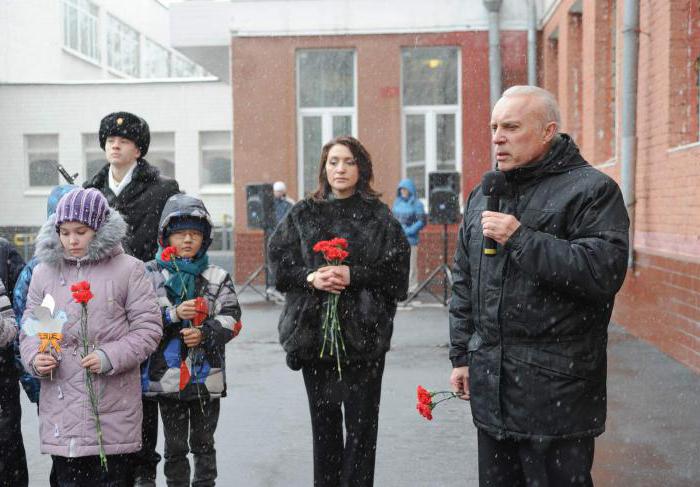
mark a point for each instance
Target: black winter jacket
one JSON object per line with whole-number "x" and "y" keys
{"x": 531, "y": 322}
{"x": 379, "y": 264}
{"x": 141, "y": 204}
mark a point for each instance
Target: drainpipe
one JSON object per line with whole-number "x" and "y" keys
{"x": 532, "y": 44}
{"x": 628, "y": 117}
{"x": 493, "y": 7}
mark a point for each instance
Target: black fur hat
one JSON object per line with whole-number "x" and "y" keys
{"x": 127, "y": 125}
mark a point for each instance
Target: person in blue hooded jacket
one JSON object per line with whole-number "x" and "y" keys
{"x": 409, "y": 211}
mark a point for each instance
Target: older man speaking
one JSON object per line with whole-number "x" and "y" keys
{"x": 528, "y": 321}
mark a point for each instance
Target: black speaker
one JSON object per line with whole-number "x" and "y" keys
{"x": 443, "y": 197}
{"x": 260, "y": 206}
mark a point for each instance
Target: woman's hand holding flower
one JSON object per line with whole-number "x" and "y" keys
{"x": 332, "y": 278}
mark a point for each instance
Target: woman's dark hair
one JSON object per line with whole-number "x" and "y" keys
{"x": 364, "y": 164}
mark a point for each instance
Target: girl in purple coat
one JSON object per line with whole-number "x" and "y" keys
{"x": 81, "y": 242}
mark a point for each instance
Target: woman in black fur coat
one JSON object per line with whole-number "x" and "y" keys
{"x": 370, "y": 282}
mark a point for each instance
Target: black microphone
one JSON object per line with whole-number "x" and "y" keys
{"x": 493, "y": 185}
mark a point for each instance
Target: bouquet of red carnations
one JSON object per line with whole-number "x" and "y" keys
{"x": 426, "y": 404}
{"x": 335, "y": 252}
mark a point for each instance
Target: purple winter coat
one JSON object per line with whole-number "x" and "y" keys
{"x": 124, "y": 322}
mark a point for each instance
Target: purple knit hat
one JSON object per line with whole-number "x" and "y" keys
{"x": 87, "y": 206}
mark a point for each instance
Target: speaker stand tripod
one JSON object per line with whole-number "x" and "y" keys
{"x": 443, "y": 269}
{"x": 262, "y": 268}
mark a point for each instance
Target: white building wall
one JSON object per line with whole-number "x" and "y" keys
{"x": 31, "y": 38}
{"x": 314, "y": 17}
{"x": 71, "y": 110}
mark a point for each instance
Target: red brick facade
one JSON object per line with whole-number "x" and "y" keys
{"x": 265, "y": 118}
{"x": 660, "y": 300}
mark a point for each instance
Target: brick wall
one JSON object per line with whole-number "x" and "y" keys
{"x": 660, "y": 298}
{"x": 265, "y": 124}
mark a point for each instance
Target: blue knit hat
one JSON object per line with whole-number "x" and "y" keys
{"x": 86, "y": 206}
{"x": 185, "y": 222}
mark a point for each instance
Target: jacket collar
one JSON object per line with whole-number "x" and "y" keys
{"x": 144, "y": 173}
{"x": 562, "y": 157}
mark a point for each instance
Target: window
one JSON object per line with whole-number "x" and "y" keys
{"x": 184, "y": 68}
{"x": 122, "y": 47}
{"x": 156, "y": 60}
{"x": 161, "y": 152}
{"x": 42, "y": 157}
{"x": 94, "y": 156}
{"x": 431, "y": 121}
{"x": 215, "y": 157}
{"x": 80, "y": 27}
{"x": 326, "y": 106}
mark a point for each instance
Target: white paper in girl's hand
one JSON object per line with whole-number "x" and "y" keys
{"x": 42, "y": 320}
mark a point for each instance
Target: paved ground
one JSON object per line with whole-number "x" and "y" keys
{"x": 264, "y": 435}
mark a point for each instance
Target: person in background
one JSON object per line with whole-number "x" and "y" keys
{"x": 189, "y": 397}
{"x": 13, "y": 460}
{"x": 282, "y": 202}
{"x": 410, "y": 213}
{"x": 82, "y": 242}
{"x": 138, "y": 192}
{"x": 282, "y": 205}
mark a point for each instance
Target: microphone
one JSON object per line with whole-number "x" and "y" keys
{"x": 493, "y": 185}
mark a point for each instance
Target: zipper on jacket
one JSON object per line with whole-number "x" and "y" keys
{"x": 504, "y": 274}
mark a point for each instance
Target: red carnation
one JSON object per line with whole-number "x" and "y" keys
{"x": 424, "y": 396}
{"x": 339, "y": 242}
{"x": 425, "y": 403}
{"x": 335, "y": 255}
{"x": 237, "y": 328}
{"x": 81, "y": 292}
{"x": 202, "y": 309}
{"x": 322, "y": 246}
{"x": 425, "y": 410}
{"x": 168, "y": 253}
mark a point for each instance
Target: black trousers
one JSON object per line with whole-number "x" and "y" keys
{"x": 146, "y": 460}
{"x": 87, "y": 471}
{"x": 187, "y": 428}
{"x": 348, "y": 463}
{"x": 533, "y": 463}
{"x": 13, "y": 461}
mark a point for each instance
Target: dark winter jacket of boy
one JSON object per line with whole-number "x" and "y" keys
{"x": 378, "y": 262}
{"x": 123, "y": 325}
{"x": 140, "y": 203}
{"x": 409, "y": 211}
{"x": 161, "y": 374}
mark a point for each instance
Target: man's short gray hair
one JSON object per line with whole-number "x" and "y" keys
{"x": 550, "y": 107}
